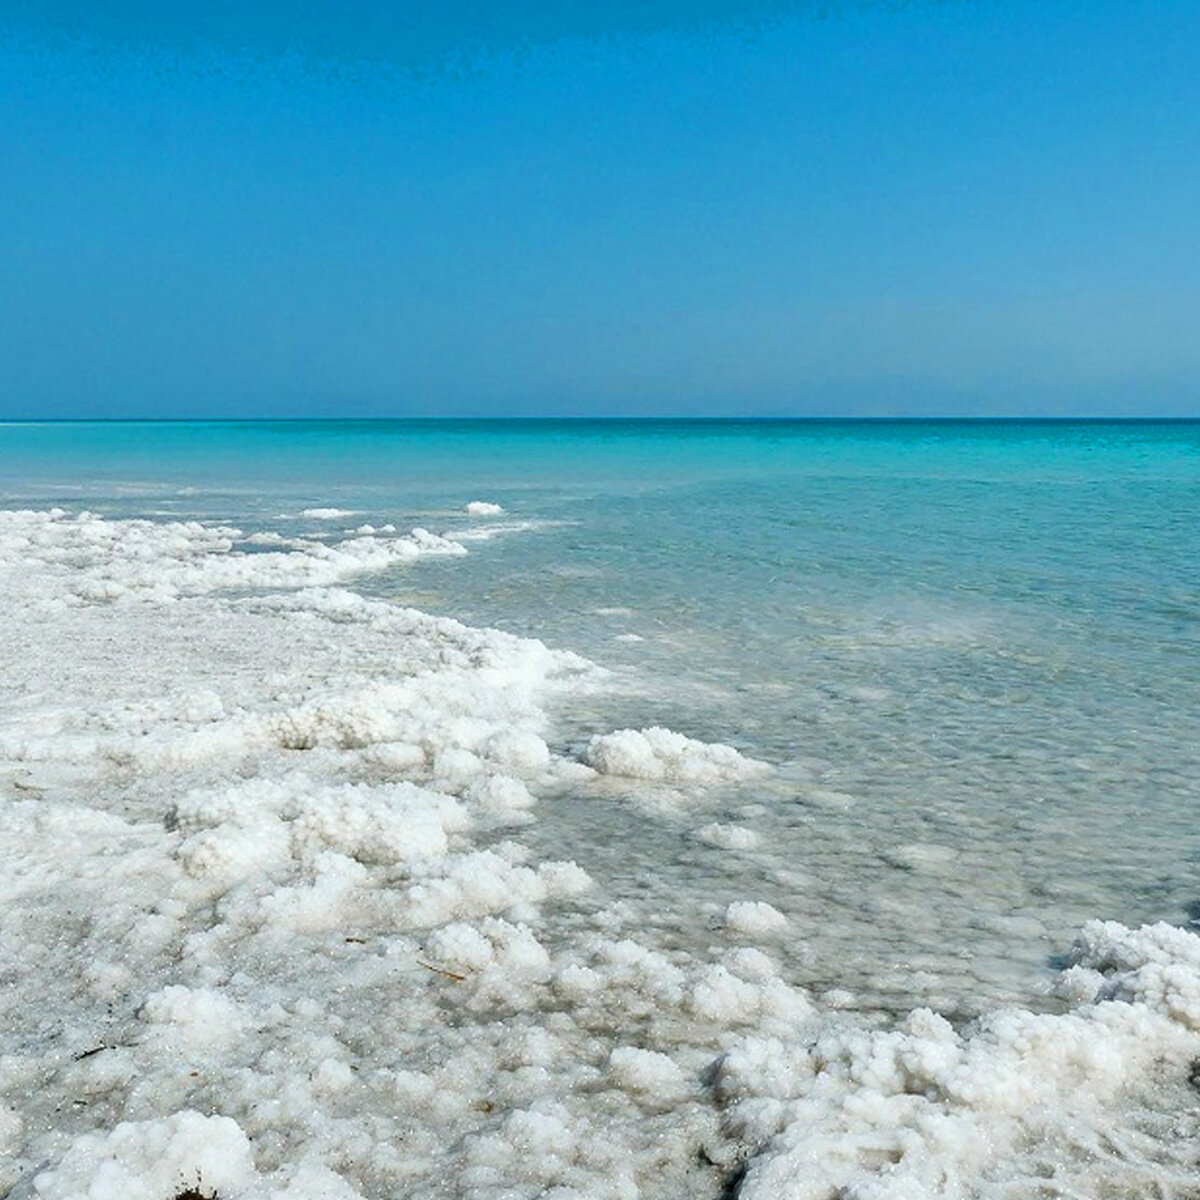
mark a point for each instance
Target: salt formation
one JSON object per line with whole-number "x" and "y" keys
{"x": 145, "y": 1160}
{"x": 483, "y": 508}
{"x": 326, "y": 514}
{"x": 266, "y": 930}
{"x": 663, "y": 754}
{"x": 754, "y": 917}
{"x": 1020, "y": 1104}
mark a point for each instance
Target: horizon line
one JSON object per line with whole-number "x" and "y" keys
{"x": 1094, "y": 419}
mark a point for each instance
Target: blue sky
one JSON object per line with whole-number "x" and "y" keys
{"x": 657, "y": 208}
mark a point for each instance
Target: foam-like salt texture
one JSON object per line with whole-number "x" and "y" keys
{"x": 1019, "y": 1099}
{"x": 754, "y": 917}
{"x": 664, "y": 755}
{"x": 93, "y": 560}
{"x": 266, "y": 932}
{"x": 482, "y": 508}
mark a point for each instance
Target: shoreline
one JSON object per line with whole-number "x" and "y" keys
{"x": 247, "y": 887}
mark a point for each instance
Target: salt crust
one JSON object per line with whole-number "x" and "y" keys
{"x": 266, "y": 938}
{"x": 483, "y": 508}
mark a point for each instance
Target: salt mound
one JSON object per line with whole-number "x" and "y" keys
{"x": 483, "y": 508}
{"x": 754, "y": 917}
{"x": 662, "y": 754}
{"x": 923, "y": 1111}
{"x": 153, "y": 1160}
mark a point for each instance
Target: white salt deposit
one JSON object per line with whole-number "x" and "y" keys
{"x": 925, "y": 1111}
{"x": 267, "y": 933}
{"x": 483, "y": 508}
{"x": 754, "y": 917}
{"x": 648, "y": 1072}
{"x": 91, "y": 560}
{"x": 147, "y": 1160}
{"x": 326, "y": 514}
{"x": 662, "y": 754}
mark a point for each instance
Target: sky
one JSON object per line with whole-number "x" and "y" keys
{"x": 673, "y": 207}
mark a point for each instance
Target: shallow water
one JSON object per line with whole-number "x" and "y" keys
{"x": 967, "y": 651}
{"x": 983, "y": 635}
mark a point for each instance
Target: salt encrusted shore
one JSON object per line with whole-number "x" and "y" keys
{"x": 269, "y": 929}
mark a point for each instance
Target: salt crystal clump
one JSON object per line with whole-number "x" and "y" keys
{"x": 251, "y": 827}
{"x": 500, "y": 793}
{"x": 388, "y": 824}
{"x": 483, "y": 508}
{"x": 662, "y": 754}
{"x": 648, "y": 1072}
{"x": 327, "y": 900}
{"x": 518, "y": 752}
{"x": 492, "y": 943}
{"x": 482, "y": 883}
{"x": 754, "y": 917}
{"x": 153, "y": 1160}
{"x": 326, "y": 514}
{"x": 1111, "y": 947}
{"x": 1158, "y": 966}
{"x": 192, "y": 1018}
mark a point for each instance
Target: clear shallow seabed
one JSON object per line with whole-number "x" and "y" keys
{"x": 966, "y": 652}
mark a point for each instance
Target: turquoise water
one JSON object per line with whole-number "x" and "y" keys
{"x": 971, "y": 649}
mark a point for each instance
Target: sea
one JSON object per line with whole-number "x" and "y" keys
{"x": 490, "y": 809}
